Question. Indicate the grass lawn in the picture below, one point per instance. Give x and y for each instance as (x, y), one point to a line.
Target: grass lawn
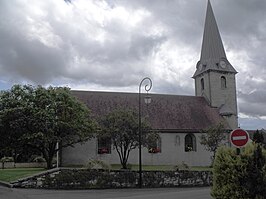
(9, 175)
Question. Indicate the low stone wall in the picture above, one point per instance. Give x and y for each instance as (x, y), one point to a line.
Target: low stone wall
(86, 179)
(9, 165)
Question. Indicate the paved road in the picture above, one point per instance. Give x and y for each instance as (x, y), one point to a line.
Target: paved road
(161, 193)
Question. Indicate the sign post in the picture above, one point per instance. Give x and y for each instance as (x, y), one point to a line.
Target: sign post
(239, 138)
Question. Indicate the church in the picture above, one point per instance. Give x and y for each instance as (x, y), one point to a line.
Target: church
(178, 119)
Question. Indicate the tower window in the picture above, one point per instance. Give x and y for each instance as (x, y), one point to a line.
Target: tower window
(190, 143)
(223, 82)
(202, 84)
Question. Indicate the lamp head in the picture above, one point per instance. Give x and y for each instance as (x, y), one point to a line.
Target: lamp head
(147, 99)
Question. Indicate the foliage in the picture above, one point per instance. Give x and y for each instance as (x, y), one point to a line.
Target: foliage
(7, 159)
(212, 138)
(41, 118)
(121, 126)
(38, 159)
(258, 137)
(182, 166)
(97, 164)
(239, 176)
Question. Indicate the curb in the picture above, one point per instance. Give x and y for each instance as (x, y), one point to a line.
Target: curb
(6, 184)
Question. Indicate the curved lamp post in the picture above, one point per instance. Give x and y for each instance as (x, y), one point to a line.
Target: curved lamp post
(147, 100)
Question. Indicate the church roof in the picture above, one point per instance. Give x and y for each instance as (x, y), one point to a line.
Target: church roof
(165, 112)
(212, 50)
(225, 110)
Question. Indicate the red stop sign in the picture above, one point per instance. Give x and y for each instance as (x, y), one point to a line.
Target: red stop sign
(239, 138)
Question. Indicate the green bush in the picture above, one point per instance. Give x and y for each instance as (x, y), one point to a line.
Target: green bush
(97, 164)
(38, 159)
(7, 159)
(182, 166)
(240, 176)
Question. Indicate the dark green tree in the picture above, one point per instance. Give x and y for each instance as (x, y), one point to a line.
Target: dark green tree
(42, 117)
(121, 126)
(258, 137)
(240, 175)
(212, 138)
(255, 180)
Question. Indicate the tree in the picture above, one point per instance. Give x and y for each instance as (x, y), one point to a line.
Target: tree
(212, 138)
(121, 126)
(258, 137)
(239, 175)
(255, 181)
(41, 118)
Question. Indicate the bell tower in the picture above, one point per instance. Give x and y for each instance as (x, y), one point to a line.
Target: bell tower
(215, 76)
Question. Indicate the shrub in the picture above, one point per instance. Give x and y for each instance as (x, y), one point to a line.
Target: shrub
(38, 159)
(7, 159)
(182, 166)
(97, 164)
(239, 176)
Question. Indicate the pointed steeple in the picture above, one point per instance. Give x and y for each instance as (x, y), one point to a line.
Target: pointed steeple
(213, 55)
(212, 45)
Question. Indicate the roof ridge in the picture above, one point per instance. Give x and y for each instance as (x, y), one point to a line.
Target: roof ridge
(114, 92)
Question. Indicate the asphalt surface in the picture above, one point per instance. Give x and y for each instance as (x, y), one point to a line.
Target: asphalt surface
(160, 193)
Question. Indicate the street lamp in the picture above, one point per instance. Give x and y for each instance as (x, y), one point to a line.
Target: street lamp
(147, 100)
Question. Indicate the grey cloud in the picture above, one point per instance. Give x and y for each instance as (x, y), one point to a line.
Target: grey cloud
(126, 55)
(252, 109)
(78, 56)
(251, 123)
(258, 96)
(254, 103)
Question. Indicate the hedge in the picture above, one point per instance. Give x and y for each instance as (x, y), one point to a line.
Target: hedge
(240, 176)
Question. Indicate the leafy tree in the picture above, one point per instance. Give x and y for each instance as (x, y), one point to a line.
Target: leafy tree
(256, 178)
(41, 118)
(239, 176)
(121, 126)
(258, 137)
(212, 138)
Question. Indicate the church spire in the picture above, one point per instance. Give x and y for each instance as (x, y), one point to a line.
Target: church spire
(215, 76)
(213, 55)
(212, 45)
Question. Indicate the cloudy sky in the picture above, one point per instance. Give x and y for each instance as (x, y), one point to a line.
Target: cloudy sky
(111, 45)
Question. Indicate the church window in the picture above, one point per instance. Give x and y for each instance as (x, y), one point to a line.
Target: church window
(202, 84)
(190, 142)
(223, 82)
(155, 146)
(104, 146)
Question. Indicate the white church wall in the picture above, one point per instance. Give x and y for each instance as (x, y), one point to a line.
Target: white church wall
(172, 153)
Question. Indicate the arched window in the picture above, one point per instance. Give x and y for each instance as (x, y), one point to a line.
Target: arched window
(223, 82)
(190, 143)
(202, 84)
(104, 145)
(155, 146)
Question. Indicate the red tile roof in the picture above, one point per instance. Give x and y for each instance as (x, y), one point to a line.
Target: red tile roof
(165, 112)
